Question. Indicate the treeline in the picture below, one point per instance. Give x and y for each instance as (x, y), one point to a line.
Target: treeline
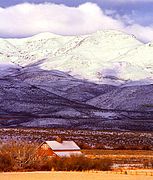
(24, 157)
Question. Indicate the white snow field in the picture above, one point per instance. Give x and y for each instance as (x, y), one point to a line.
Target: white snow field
(107, 57)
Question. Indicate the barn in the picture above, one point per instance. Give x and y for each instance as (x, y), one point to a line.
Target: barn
(60, 148)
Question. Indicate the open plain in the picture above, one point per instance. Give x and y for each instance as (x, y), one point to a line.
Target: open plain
(72, 175)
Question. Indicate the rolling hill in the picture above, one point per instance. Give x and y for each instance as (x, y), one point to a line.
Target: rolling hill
(97, 81)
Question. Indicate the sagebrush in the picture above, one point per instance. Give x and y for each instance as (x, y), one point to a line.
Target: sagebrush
(21, 156)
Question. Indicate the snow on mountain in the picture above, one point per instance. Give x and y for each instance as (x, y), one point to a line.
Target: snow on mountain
(6, 51)
(89, 57)
(136, 65)
(61, 84)
(132, 98)
(38, 47)
(102, 57)
(101, 80)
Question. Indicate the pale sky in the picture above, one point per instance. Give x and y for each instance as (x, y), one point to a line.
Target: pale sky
(22, 18)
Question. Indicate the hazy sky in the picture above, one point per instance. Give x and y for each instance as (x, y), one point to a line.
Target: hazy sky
(21, 18)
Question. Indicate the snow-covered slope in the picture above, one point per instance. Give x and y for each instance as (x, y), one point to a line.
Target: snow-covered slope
(109, 56)
(132, 98)
(98, 81)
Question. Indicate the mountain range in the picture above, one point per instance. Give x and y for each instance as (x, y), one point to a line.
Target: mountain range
(98, 81)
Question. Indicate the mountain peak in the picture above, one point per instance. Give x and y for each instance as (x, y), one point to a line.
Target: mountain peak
(105, 53)
(45, 35)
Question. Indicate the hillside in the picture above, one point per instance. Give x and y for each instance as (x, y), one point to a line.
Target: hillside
(97, 81)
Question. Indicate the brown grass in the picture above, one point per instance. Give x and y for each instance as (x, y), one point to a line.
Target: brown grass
(136, 157)
(71, 176)
(24, 157)
(118, 152)
(21, 156)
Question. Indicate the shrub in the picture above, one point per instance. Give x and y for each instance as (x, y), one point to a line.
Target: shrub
(24, 157)
(80, 163)
(103, 164)
(6, 163)
(20, 156)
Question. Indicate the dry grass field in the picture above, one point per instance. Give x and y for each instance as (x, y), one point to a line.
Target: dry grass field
(119, 154)
(140, 158)
(103, 153)
(128, 150)
(71, 175)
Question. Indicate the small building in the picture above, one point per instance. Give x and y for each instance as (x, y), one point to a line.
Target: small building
(60, 148)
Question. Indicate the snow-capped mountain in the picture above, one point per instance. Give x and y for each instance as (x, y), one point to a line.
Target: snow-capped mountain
(99, 81)
(102, 57)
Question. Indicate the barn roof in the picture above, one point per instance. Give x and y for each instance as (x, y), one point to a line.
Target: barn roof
(65, 145)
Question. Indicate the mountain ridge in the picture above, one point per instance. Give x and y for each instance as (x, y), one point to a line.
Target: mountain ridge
(97, 81)
(71, 53)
